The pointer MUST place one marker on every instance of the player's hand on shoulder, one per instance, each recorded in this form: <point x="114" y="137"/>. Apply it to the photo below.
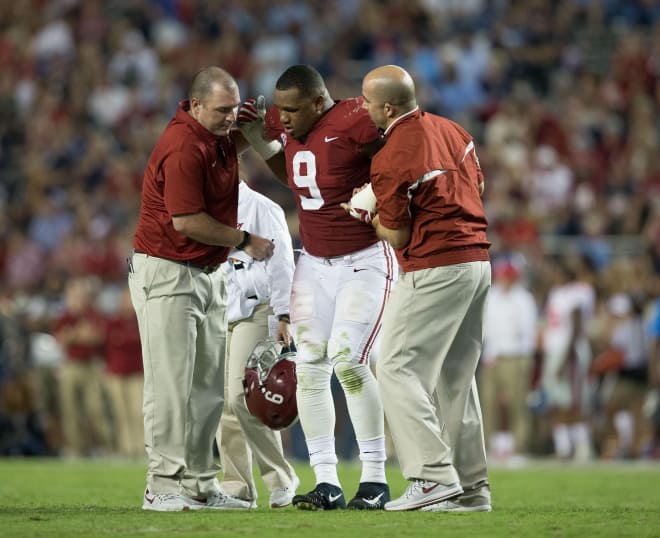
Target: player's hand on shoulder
<point x="259" y="248"/>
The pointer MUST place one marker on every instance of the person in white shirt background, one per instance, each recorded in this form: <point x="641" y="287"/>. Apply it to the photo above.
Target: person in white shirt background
<point x="506" y="364"/>
<point x="258" y="307"/>
<point x="567" y="354"/>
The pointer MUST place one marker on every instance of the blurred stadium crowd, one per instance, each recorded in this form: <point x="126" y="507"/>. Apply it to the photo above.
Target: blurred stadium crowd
<point x="562" y="96"/>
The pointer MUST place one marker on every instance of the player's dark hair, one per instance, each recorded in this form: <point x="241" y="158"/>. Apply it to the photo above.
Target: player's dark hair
<point x="307" y="80"/>
<point x="205" y="79"/>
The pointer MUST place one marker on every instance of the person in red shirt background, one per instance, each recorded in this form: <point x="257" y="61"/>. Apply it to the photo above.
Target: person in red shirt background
<point x="124" y="378"/>
<point x="80" y="331"/>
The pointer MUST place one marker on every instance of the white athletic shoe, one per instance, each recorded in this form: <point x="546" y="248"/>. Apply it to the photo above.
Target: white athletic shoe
<point x="422" y="493"/>
<point x="165" y="502"/>
<point x="220" y="501"/>
<point x="281" y="497"/>
<point x="472" y="500"/>
<point x="456" y="506"/>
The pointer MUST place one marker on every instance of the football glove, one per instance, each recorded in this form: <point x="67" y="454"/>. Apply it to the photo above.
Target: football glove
<point x="363" y="205"/>
<point x="250" y="121"/>
<point x="362" y="215"/>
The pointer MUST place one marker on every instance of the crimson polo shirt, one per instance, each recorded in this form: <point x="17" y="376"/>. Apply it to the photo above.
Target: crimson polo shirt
<point x="189" y="171"/>
<point x="123" y="351"/>
<point x="76" y="351"/>
<point x="445" y="212"/>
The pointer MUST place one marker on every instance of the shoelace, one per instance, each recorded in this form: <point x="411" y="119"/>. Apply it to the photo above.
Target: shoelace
<point x="319" y="497"/>
<point x="219" y="498"/>
<point x="415" y="486"/>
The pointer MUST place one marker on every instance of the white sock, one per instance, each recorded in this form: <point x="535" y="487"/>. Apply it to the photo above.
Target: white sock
<point x="372" y="456"/>
<point x="500" y="444"/>
<point x="581" y="441"/>
<point x="580" y="433"/>
<point x="323" y="459"/>
<point x="625" y="427"/>
<point x="562" y="440"/>
<point x="508" y="443"/>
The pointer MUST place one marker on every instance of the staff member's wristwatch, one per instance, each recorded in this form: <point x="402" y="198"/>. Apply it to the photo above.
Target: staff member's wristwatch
<point x="245" y="242"/>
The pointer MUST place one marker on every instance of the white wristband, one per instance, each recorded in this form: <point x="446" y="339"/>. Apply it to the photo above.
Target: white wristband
<point x="252" y="132"/>
<point x="267" y="149"/>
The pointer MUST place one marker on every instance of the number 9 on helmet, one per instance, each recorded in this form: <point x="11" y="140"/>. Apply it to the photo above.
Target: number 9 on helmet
<point x="270" y="384"/>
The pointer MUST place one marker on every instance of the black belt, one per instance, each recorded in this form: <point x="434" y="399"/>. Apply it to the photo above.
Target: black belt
<point x="208" y="269"/>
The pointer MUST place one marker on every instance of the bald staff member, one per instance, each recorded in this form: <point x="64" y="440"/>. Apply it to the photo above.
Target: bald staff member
<point x="428" y="183"/>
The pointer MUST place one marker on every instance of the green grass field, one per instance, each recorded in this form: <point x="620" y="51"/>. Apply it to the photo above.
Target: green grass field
<point x="52" y="498"/>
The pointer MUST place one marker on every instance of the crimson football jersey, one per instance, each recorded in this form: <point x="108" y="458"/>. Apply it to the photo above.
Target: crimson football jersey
<point x="323" y="169"/>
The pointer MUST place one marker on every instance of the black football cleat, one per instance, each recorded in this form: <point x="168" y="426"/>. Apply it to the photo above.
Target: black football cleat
<point x="323" y="497"/>
<point x="370" y="496"/>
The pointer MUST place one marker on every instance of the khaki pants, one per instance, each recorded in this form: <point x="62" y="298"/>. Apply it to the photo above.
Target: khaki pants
<point x="84" y="421"/>
<point x="182" y="317"/>
<point x="503" y="386"/>
<point x="125" y="392"/>
<point x="628" y="395"/>
<point x="240" y="435"/>
<point x="432" y="340"/>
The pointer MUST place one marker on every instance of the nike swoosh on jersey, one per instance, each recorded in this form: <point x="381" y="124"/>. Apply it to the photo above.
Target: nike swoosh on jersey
<point x="330" y="138"/>
<point x="333" y="498"/>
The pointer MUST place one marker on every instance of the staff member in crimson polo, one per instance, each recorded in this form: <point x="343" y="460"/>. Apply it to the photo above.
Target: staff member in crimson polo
<point x="427" y="183"/>
<point x="186" y="228"/>
<point x="124" y="380"/>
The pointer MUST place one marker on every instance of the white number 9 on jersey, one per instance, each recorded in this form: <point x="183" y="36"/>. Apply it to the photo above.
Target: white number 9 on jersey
<point x="307" y="180"/>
